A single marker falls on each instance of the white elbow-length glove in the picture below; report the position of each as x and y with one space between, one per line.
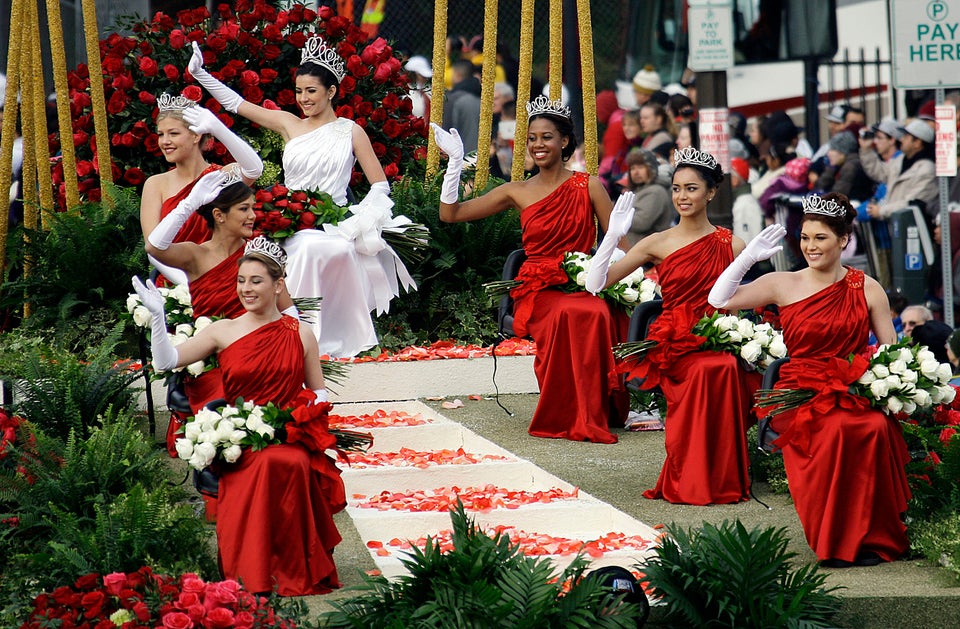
224 95
621 218
204 191
763 246
450 143
201 120
165 355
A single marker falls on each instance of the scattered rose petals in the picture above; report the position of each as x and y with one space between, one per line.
457 403
475 397
377 419
447 349
535 544
442 499
408 457
435 398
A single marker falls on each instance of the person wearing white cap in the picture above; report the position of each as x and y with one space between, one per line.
909 176
422 72
886 138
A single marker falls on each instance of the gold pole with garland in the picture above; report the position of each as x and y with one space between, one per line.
589 87
486 94
99 100
37 102
9 130
68 154
29 175
555 75
437 84
523 88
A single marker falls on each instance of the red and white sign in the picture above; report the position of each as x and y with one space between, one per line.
946 140
715 135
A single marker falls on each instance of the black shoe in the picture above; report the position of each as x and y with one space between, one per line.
836 563
867 558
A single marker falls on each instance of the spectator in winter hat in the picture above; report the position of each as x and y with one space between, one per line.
645 82
792 181
910 176
844 172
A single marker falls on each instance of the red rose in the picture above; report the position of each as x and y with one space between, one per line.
92 602
253 94
80 138
112 65
152 143
84 168
361 122
307 220
177 620
248 21
271 52
382 73
216 43
141 610
171 72
269 104
325 13
148 66
390 101
193 92
286 97
378 115
192 583
297 39
177 40
379 149
372 53
357 67
338 25
122 82
263 196
309 15
346 49
114 582
391 170
249 78
392 128
117 103
272 33
420 153
299 196
134 176
146 98
345 111
64 595
280 190
347 85
140 130
946 435
268 75
365 108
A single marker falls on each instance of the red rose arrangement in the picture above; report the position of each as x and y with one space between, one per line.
143 599
281 212
255 49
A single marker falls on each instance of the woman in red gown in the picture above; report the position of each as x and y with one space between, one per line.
708 393
844 461
275 529
580 395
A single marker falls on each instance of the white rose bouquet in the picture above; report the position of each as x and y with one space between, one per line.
758 344
899 378
224 433
180 323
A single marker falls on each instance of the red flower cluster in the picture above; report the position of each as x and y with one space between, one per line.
254 48
281 212
146 600
15 432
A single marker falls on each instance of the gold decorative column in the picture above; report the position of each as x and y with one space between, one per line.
486 94
437 85
97 96
589 87
523 88
555 74
9 130
35 100
29 174
68 154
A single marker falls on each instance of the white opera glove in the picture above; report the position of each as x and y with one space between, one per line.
763 246
165 355
322 396
204 191
450 143
201 120
621 218
224 95
291 311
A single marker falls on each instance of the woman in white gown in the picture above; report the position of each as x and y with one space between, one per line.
348 265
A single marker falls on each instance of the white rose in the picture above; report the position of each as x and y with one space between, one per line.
229 411
581 278
894 405
880 371
231 454
949 392
647 294
142 317
177 339
197 461
944 373
637 278
195 369
206 450
224 430
181 293
237 436
250 407
184 449
202 322
881 349
879 388
734 336
132 302
898 366
207 436
188 312
929 368
191 430
909 406
778 348
750 351
867 377
936 395
922 398
910 376
745 327
925 354
630 295
185 329
725 324
906 354
893 381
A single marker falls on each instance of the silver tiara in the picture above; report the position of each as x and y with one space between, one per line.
174 103
315 50
815 204
689 156
231 176
543 105
265 246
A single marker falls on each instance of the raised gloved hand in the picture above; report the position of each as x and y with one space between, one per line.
165 355
224 95
450 143
204 191
201 120
621 218
763 246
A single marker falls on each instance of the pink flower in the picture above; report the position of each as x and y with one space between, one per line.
177 620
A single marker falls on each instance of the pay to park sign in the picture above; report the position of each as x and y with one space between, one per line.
926 43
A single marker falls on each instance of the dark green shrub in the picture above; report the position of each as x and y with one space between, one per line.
727 576
483 582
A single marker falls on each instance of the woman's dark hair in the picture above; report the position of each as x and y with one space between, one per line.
228 197
934 334
565 128
274 270
840 225
679 102
322 74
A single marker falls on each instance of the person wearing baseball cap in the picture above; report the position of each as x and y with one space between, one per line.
910 177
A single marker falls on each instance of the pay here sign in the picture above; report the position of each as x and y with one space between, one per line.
926 43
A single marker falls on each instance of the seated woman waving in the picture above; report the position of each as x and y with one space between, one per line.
274 526
844 461
709 394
